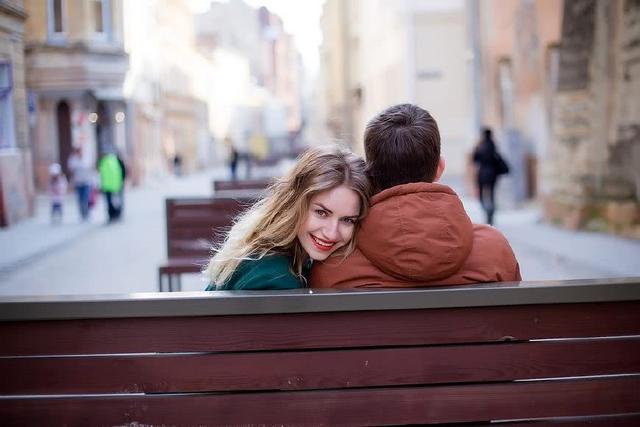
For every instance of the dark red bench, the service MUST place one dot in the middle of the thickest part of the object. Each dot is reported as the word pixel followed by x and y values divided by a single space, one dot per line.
pixel 246 187
pixel 193 226
pixel 534 354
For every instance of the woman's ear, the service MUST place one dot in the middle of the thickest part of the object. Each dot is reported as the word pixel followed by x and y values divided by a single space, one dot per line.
pixel 439 169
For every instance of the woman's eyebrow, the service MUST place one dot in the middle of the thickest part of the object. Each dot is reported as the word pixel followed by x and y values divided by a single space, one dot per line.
pixel 321 206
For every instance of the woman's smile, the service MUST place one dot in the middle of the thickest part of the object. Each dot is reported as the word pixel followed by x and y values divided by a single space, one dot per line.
pixel 321 244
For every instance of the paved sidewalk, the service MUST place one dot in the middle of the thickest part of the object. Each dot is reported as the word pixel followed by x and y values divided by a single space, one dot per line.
pixel 38 258
pixel 95 257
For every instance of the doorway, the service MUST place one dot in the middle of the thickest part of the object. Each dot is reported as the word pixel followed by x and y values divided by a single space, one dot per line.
pixel 63 115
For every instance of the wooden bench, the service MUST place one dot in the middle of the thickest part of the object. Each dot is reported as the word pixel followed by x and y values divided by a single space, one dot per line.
pixel 558 353
pixel 247 187
pixel 193 226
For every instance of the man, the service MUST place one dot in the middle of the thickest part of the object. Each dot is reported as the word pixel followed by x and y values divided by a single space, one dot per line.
pixel 417 232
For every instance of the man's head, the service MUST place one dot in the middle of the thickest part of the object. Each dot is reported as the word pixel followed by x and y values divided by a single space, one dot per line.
pixel 402 145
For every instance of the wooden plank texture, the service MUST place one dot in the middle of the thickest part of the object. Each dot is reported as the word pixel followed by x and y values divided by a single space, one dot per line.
pixel 627 420
pixel 384 406
pixel 193 225
pixel 319 369
pixel 319 330
pixel 247 184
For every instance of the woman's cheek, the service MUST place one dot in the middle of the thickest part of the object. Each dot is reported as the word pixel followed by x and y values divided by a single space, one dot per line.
pixel 347 233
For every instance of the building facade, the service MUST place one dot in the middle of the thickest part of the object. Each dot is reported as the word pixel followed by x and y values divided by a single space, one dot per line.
pixel 75 65
pixel 595 157
pixel 517 49
pixel 16 176
pixel 560 83
pixel 366 70
pixel 250 51
pixel 166 88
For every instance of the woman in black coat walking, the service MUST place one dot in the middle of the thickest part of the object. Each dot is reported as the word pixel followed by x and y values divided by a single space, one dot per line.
pixel 489 165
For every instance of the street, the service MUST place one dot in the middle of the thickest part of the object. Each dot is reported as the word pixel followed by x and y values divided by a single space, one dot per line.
pixel 39 258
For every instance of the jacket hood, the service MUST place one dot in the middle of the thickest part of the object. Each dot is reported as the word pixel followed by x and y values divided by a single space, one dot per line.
pixel 417 232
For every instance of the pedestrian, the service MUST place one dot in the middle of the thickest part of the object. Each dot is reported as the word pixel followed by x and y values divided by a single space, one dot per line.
pixel 489 166
pixel 233 163
pixel 111 184
pixel 95 189
pixel 177 165
pixel 309 214
pixel 123 169
pixel 82 177
pixel 417 232
pixel 57 192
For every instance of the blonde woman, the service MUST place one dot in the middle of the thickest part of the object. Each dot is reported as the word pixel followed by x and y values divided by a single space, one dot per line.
pixel 308 215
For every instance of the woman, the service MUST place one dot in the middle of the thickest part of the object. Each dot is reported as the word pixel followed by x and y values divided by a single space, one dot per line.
pixel 311 213
pixel 490 165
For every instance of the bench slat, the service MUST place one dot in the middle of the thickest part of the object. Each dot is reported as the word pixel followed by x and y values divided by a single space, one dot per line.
pixel 626 420
pixel 247 184
pixel 319 330
pixel 184 265
pixel 319 369
pixel 194 226
pixel 407 405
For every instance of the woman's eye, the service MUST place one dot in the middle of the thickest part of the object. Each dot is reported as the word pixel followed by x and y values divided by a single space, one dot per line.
pixel 351 221
pixel 321 212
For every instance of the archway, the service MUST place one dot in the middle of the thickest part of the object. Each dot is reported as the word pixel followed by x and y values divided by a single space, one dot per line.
pixel 103 128
pixel 63 116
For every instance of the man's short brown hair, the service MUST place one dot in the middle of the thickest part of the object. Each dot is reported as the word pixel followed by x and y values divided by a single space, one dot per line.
pixel 402 145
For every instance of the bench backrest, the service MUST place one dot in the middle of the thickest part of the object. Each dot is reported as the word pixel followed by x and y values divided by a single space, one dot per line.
pixel 479 353
pixel 246 184
pixel 194 225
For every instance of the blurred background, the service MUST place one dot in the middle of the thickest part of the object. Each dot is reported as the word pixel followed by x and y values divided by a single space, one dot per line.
pixel 179 88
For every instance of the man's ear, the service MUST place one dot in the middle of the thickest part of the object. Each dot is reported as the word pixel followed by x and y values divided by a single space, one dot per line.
pixel 440 169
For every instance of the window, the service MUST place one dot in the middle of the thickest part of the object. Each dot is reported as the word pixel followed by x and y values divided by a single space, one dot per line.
pixel 56 18
pixel 6 106
pixel 551 78
pixel 506 92
pixel 102 17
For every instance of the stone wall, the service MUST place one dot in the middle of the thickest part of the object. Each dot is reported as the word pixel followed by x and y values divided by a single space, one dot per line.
pixel 596 134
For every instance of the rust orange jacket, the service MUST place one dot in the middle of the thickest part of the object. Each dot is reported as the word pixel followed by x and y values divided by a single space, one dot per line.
pixel 419 235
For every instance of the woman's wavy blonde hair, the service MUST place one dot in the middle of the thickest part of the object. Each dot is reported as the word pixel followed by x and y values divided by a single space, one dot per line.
pixel 272 224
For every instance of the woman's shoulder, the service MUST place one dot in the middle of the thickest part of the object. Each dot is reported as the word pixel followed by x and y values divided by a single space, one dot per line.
pixel 268 272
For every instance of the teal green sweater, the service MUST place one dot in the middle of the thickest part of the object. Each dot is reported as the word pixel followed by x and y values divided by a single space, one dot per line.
pixel 268 273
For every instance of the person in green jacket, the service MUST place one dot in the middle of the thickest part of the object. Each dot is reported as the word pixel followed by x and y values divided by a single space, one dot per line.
pixel 309 214
pixel 111 183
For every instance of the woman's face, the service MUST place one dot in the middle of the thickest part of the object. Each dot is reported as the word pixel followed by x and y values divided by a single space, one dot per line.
pixel 330 222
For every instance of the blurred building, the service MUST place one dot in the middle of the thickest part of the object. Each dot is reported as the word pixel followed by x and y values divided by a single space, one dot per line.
pixel 337 84
pixel 75 67
pixel 560 81
pixel 169 111
pixel 283 80
pixel 16 172
pixel 378 53
pixel 250 52
pixel 517 44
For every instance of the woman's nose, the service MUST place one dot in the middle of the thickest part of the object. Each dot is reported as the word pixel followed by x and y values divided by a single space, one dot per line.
pixel 331 230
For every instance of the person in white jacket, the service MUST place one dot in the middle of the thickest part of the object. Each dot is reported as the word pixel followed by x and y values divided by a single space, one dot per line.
pixel 82 176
